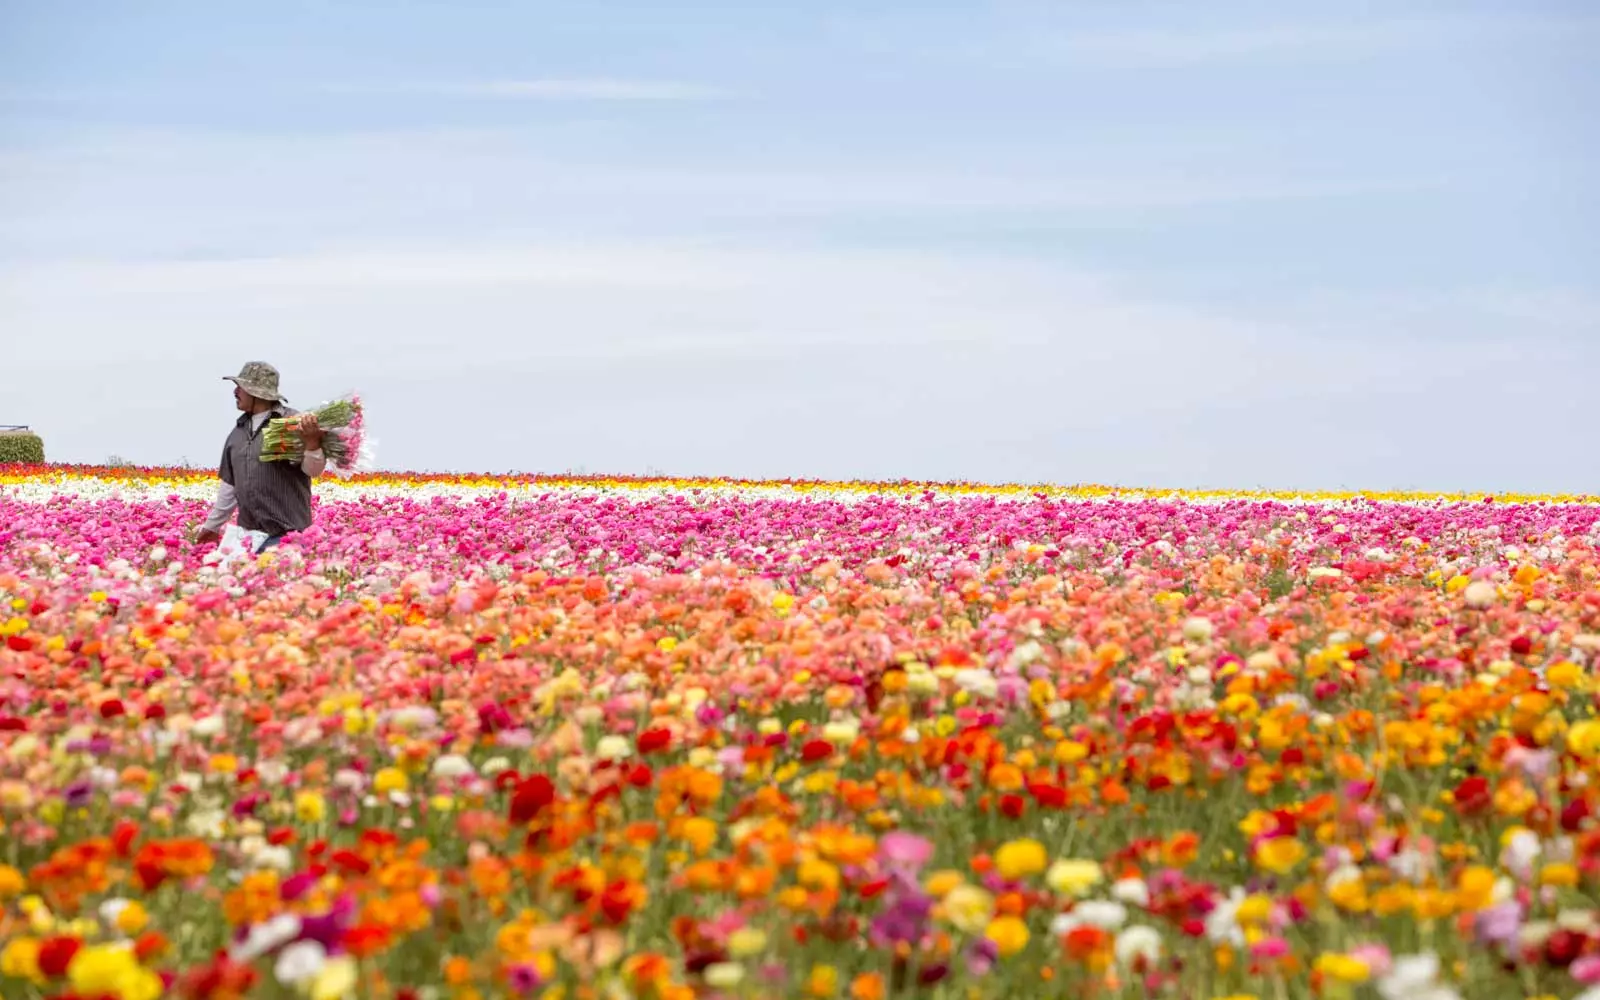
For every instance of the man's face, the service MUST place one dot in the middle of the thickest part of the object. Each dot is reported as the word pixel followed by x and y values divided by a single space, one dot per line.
pixel 243 399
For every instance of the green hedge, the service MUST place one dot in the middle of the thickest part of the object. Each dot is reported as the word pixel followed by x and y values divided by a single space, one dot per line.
pixel 21 446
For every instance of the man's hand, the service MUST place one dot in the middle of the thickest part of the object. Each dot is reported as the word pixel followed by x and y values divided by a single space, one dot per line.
pixel 207 535
pixel 310 433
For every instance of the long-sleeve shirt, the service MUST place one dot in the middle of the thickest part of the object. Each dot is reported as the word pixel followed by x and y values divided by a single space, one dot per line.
pixel 223 507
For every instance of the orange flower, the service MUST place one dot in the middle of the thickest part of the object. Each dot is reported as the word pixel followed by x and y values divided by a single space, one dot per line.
pixel 868 986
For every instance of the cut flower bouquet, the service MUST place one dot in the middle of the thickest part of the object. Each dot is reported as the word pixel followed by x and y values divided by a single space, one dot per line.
pixel 344 439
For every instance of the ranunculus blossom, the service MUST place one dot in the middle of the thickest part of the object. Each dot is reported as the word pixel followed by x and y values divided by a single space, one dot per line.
pixel 803 738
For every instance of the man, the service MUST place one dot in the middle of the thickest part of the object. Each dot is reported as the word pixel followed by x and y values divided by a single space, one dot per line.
pixel 271 497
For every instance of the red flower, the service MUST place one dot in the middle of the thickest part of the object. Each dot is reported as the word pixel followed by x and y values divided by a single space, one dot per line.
pixel 655 740
pixel 533 794
pixel 123 836
pixel 112 707
pixel 1573 814
pixel 1013 806
pixel 55 954
pixel 1563 948
pixel 1048 796
pixel 815 750
pixel 19 643
pixel 1473 796
pixel 350 862
pixel 366 939
pixel 1522 645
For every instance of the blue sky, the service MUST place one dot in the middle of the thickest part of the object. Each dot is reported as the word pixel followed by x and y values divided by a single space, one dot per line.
pixel 1230 244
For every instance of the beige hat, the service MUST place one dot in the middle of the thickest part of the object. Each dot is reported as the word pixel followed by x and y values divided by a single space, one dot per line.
pixel 259 379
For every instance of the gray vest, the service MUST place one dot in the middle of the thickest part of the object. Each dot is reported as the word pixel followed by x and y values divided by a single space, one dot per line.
pixel 274 497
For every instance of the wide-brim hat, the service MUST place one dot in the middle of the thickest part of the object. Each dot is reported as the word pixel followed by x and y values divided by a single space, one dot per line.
pixel 259 379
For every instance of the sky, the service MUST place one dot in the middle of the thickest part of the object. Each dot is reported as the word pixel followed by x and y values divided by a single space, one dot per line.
pixel 1306 245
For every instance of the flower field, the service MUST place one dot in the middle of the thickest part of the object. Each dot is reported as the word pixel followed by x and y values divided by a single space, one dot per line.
pixel 475 737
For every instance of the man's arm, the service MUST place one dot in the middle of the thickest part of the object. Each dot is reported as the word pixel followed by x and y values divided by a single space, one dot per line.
pixel 222 507
pixel 221 510
pixel 314 463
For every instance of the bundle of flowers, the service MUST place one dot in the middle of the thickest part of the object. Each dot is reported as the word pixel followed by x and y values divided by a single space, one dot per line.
pixel 344 439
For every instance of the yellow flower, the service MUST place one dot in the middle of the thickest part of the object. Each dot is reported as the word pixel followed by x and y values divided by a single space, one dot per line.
pixel 132 918
pixel 112 970
pixel 1343 968
pixel 1074 877
pixel 938 884
pixel 20 960
pixel 1018 859
pixel 1559 873
pixel 1253 911
pixel 700 833
pixel 390 779
pixel 1009 934
pixel 1475 888
pixel 823 981
pixel 968 908
pixel 723 975
pixel 12 882
pixel 1583 738
pixel 309 807
pixel 747 941
pixel 1280 855
pixel 1564 675
pixel 1349 894
pixel 335 980
pixel 1070 752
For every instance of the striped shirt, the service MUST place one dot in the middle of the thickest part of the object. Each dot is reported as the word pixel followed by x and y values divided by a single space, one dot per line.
pixel 274 497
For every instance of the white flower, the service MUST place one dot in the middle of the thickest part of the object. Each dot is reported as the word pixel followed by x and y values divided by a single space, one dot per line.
pixel 1026 653
pixel 976 681
pixel 452 765
pixel 494 765
pixel 1479 594
pixel 841 733
pixel 274 857
pixel 266 937
pixel 1415 977
pixel 1222 923
pixel 613 747
pixel 1101 913
pixel 1198 629
pixel 111 909
pixel 1138 942
pixel 299 962
pixel 1132 891
pixel 1263 661
pixel 1520 852
pixel 211 725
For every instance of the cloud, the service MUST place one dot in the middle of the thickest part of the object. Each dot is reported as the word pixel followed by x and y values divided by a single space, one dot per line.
pixel 1176 49
pixel 592 90
pixel 765 359
pixel 599 89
